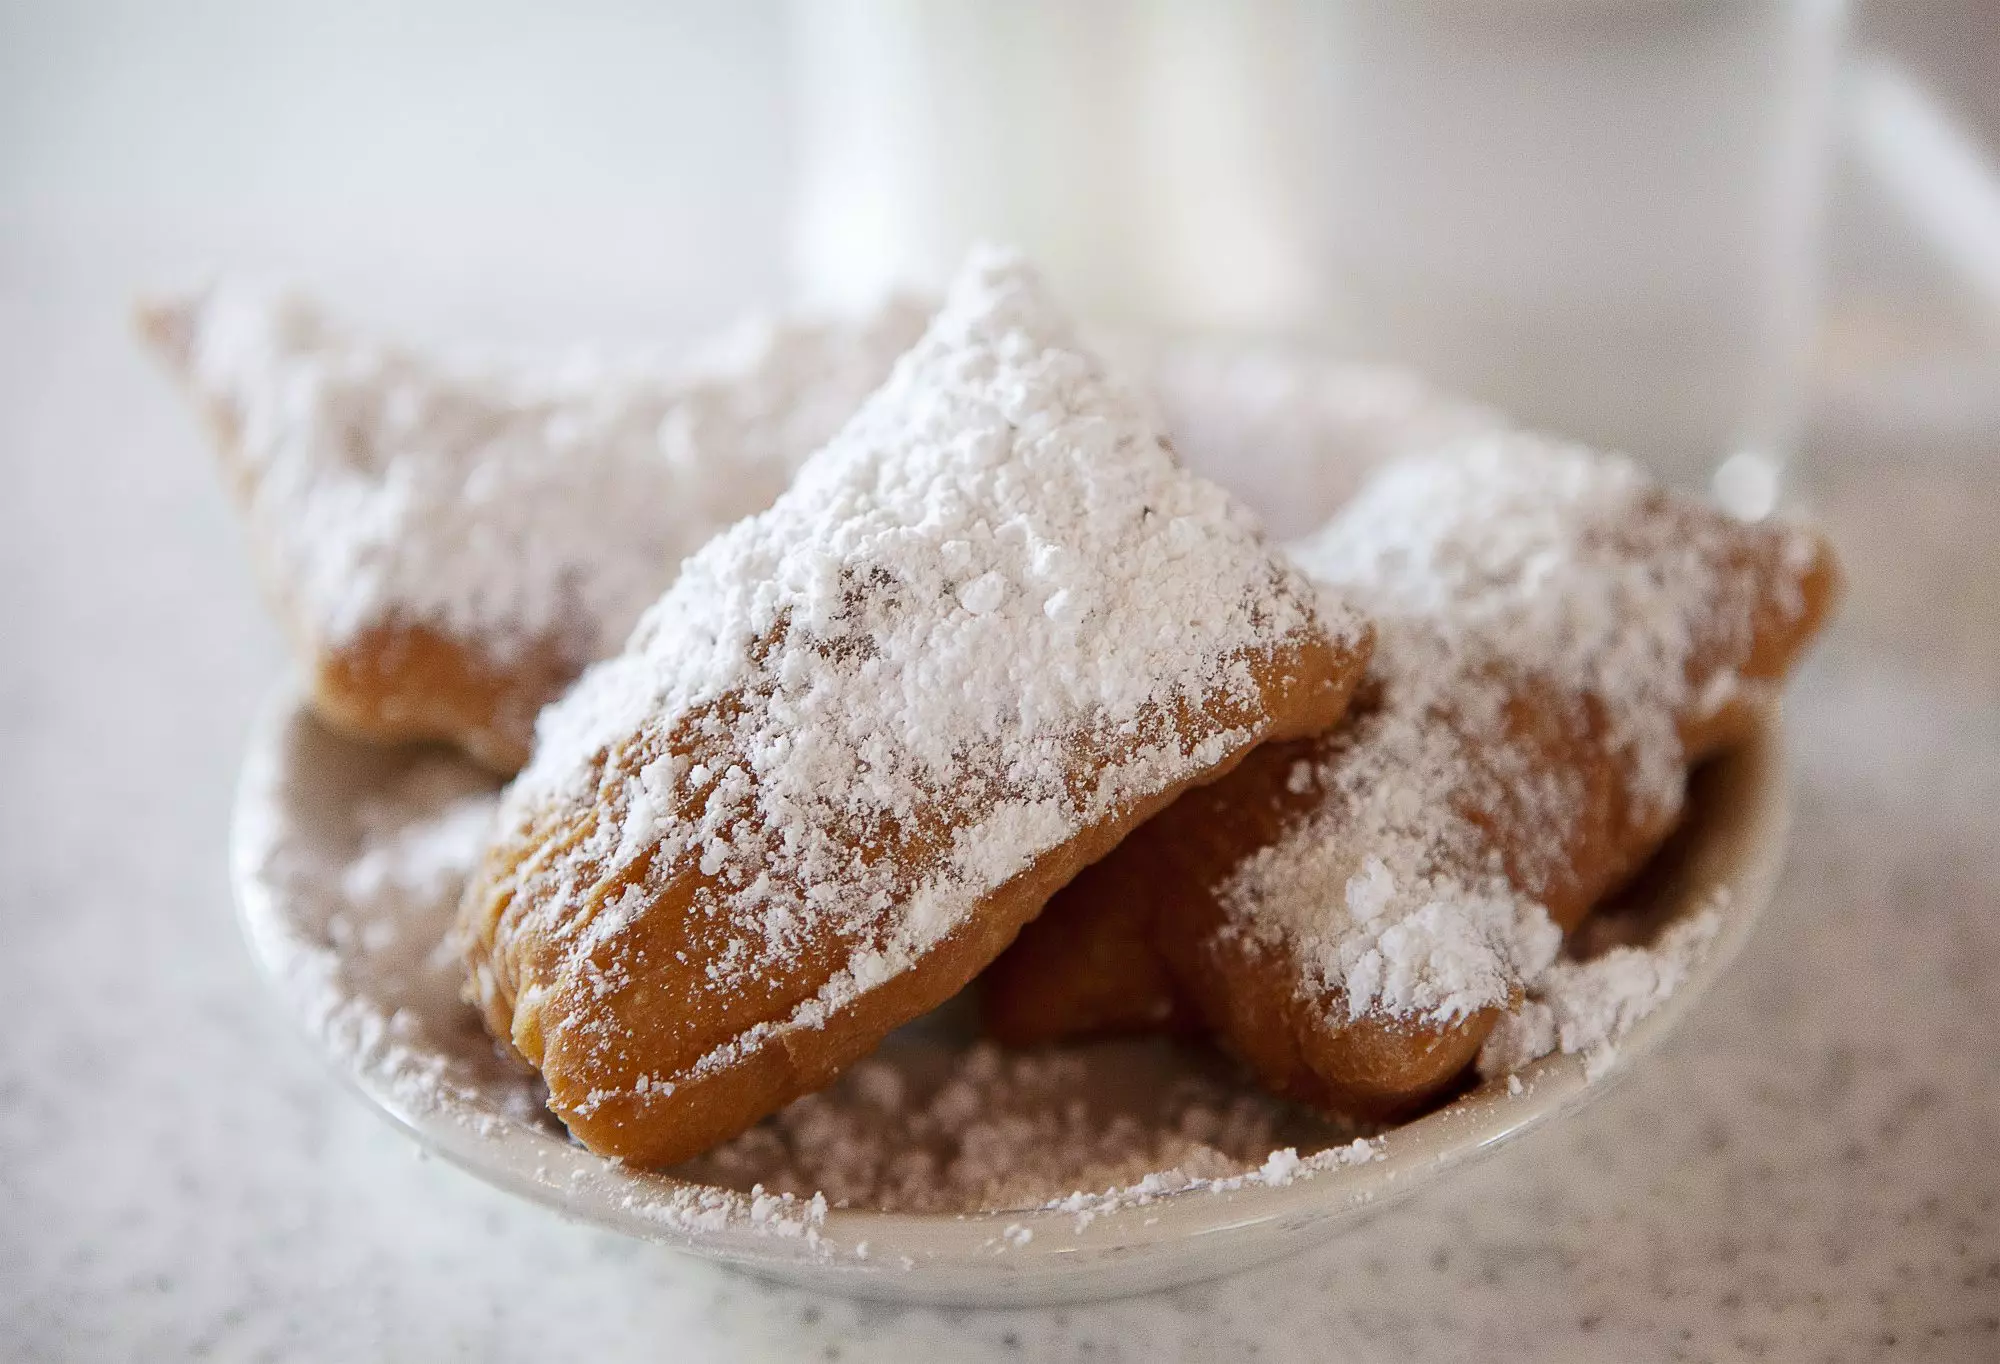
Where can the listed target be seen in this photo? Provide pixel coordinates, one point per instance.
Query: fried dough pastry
(991, 628)
(1559, 639)
(447, 545)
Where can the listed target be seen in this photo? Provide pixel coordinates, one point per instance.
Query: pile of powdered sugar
(1587, 1007)
(504, 505)
(945, 1127)
(1498, 558)
(993, 604)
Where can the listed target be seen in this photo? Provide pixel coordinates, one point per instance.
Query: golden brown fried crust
(1098, 976)
(1302, 1043)
(408, 682)
(398, 681)
(1148, 923)
(637, 1047)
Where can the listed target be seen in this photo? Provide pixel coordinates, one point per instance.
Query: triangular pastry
(989, 629)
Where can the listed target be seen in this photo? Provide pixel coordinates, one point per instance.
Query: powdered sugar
(930, 1123)
(933, 1122)
(928, 1126)
(510, 503)
(694, 1209)
(1558, 559)
(364, 953)
(993, 604)
(995, 1132)
(1588, 1007)
(1392, 895)
(1283, 1167)
(367, 965)
(1499, 563)
(505, 506)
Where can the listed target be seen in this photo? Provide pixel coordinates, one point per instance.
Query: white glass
(1154, 156)
(1599, 215)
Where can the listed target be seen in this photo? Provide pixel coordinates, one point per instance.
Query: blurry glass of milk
(1599, 215)
(1153, 156)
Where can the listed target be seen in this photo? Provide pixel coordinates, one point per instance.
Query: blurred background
(1752, 240)
(1607, 214)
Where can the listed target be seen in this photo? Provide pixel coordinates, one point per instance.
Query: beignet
(991, 627)
(1559, 638)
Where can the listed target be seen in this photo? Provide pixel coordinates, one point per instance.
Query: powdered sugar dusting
(930, 1123)
(1501, 564)
(1558, 559)
(361, 946)
(1392, 895)
(505, 506)
(365, 955)
(932, 1128)
(994, 603)
(1587, 1007)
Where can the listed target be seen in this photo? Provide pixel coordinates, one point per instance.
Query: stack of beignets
(448, 544)
(990, 629)
(994, 644)
(1558, 640)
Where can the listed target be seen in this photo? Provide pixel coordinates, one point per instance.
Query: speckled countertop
(1811, 1170)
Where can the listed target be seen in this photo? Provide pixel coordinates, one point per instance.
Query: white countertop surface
(1811, 1170)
